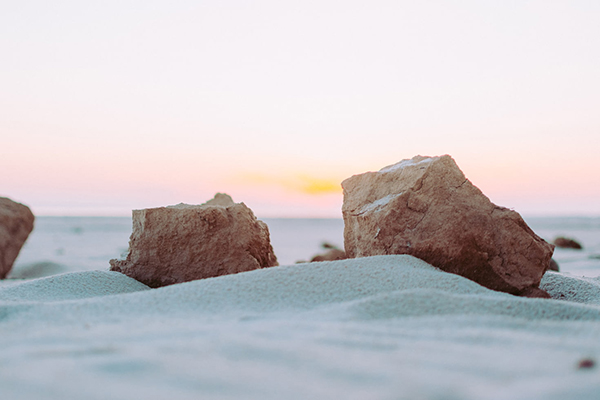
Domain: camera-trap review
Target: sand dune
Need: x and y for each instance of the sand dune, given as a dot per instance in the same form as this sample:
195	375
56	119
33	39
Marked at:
386	327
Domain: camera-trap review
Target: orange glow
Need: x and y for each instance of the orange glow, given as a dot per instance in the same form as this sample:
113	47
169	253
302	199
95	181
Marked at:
314	185
294	182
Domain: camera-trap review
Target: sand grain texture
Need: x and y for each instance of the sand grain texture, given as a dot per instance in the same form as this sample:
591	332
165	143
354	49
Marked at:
378	327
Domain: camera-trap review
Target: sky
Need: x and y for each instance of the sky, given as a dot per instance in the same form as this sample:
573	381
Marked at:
108	106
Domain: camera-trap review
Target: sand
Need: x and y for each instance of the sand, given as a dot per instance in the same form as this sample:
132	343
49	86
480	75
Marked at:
385	327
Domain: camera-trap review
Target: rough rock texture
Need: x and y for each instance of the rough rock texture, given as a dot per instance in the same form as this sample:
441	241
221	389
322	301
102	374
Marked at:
427	208
567	243
16	223
187	242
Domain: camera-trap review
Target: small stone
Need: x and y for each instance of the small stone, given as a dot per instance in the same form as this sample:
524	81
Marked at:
567	243
333	253
185	242
553	265
16	223
427	208
586	363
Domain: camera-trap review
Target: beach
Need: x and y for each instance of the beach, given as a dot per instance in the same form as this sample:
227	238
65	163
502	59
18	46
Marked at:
384	327
68	244
300	200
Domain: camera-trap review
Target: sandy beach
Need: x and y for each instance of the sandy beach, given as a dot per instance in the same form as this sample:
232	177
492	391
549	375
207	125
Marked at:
273	200
385	327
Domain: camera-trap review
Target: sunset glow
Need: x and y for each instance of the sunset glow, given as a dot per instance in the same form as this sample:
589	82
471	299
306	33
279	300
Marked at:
112	106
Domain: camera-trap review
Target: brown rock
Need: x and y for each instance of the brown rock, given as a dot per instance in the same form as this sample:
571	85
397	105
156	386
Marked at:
567	243
553	265
333	253
16	223
535	293
187	242
427	208
586	363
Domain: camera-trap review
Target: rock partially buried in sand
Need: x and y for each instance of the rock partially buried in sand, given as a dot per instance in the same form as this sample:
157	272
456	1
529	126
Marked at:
16	223
426	207
187	242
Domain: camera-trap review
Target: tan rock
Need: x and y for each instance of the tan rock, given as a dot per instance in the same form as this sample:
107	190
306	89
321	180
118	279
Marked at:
187	242
16	223
427	208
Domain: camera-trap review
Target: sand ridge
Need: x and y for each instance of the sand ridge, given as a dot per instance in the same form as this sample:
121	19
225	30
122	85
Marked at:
384	327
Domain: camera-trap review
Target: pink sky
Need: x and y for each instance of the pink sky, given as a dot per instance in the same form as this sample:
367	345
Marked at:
112	106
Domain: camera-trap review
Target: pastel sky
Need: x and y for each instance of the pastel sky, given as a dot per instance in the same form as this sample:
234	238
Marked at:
108	106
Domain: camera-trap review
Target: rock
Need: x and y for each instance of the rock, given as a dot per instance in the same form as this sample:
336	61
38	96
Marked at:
37	270
553	265
333	253
567	243
535	293
184	242
426	207
586	363
16	223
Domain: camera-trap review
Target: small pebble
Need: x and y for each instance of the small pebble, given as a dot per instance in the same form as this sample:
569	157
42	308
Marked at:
586	363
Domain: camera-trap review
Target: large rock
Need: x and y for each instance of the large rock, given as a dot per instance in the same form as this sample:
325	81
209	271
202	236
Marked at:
187	242
426	207
16	223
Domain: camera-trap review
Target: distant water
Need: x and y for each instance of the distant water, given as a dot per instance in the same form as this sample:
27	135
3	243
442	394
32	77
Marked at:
585	230
64	244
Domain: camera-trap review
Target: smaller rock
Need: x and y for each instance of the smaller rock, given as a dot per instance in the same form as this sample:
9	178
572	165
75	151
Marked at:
333	253
16	223
586	363
553	265
567	243
185	242
37	270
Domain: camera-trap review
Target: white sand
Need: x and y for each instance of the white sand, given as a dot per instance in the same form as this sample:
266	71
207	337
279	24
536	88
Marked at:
387	327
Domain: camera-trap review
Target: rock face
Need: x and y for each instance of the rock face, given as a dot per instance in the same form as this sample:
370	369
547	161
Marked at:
16	223
426	207
567	243
187	242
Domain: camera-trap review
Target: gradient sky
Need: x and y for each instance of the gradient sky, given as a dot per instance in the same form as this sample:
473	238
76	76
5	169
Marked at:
107	106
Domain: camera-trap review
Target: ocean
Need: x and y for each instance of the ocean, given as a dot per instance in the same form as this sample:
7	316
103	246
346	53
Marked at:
69	244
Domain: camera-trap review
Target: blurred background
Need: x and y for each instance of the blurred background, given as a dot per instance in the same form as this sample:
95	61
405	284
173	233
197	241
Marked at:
109	106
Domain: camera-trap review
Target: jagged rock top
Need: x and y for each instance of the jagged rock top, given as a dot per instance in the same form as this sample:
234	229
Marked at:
372	191
220	200
415	161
